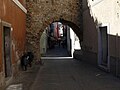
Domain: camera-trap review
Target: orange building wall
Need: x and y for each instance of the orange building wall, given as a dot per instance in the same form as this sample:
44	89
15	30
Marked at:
12	14
0	37
22	2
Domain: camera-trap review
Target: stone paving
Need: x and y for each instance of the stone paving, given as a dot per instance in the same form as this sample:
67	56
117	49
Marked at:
25	79
73	75
65	74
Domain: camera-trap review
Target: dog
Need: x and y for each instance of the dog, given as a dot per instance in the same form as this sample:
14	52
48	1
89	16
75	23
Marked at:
30	57
24	62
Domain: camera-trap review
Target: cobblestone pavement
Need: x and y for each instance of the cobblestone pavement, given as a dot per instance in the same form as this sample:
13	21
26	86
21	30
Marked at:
64	74
73	75
25	79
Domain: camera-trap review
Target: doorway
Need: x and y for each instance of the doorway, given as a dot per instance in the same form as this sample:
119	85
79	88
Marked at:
7	51
103	54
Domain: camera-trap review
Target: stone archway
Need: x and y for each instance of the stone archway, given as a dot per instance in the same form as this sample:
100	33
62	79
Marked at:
42	13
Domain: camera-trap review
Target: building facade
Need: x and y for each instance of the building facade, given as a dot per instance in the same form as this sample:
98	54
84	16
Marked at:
12	37
101	34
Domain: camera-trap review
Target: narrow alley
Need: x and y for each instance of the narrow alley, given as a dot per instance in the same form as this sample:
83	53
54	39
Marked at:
60	44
